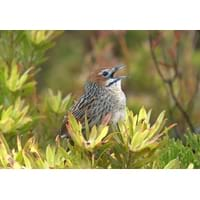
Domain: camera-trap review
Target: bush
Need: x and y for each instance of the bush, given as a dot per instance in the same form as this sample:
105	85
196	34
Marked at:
185	152
29	123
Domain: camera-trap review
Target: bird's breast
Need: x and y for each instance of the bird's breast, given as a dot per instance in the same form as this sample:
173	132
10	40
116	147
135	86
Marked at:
119	110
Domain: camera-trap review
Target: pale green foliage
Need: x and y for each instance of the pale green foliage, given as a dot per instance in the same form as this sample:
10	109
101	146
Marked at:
94	138
20	53
137	132
56	103
137	140
30	156
15	117
38	37
176	164
173	164
98	149
14	81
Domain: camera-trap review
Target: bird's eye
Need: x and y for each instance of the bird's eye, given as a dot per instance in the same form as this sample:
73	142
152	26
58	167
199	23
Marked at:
105	73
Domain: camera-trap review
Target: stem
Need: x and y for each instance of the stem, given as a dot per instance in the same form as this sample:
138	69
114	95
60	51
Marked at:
129	160
169	82
181	109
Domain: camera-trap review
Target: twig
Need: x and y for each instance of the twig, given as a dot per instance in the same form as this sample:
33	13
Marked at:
124	48
179	106
191	101
169	82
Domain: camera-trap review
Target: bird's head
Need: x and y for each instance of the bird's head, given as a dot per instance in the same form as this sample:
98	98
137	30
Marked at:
106	76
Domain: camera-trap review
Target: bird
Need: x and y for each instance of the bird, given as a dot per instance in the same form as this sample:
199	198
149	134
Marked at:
102	99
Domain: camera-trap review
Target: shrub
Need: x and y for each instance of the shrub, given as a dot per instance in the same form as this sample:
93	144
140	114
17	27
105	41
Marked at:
133	146
185	151
29	123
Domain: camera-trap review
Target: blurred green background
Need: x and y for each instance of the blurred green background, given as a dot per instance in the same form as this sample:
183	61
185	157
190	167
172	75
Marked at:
76	52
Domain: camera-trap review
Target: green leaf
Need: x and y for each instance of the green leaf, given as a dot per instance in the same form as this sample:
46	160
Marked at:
16	82
142	114
173	164
93	134
50	155
27	162
191	166
102	135
15	117
55	102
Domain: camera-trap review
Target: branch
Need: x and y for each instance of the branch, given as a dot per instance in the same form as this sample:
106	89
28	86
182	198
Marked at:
191	101
155	60
169	82
181	109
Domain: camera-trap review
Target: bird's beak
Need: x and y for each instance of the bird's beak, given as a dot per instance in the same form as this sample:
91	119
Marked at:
115	69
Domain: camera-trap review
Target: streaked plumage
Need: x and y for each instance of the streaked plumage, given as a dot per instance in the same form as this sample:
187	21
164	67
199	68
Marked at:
102	96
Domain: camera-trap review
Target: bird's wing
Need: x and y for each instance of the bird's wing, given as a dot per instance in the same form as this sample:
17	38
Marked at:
82	107
79	109
93	107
